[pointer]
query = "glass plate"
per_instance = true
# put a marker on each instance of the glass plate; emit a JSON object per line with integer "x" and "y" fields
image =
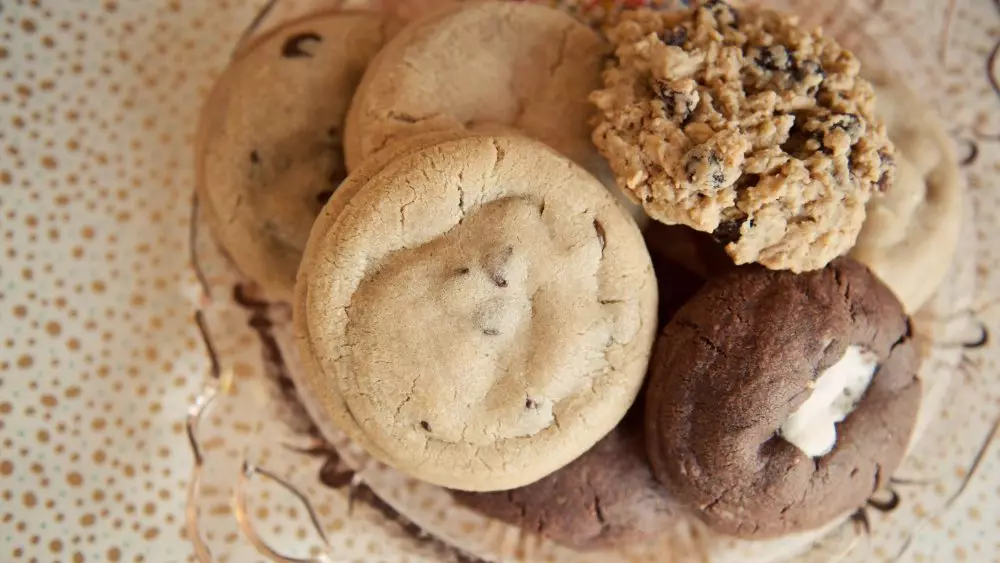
{"x": 296, "y": 496}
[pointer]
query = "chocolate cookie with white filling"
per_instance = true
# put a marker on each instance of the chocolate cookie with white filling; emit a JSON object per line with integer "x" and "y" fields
{"x": 779, "y": 402}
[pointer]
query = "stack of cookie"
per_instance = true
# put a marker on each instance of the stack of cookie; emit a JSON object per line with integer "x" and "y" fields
{"x": 485, "y": 219}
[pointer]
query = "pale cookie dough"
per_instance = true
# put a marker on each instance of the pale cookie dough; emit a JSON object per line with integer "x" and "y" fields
{"x": 738, "y": 123}
{"x": 466, "y": 321}
{"x": 524, "y": 66}
{"x": 268, "y": 148}
{"x": 911, "y": 232}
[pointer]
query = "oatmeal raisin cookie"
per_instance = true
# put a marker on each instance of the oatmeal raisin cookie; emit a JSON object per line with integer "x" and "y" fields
{"x": 739, "y": 123}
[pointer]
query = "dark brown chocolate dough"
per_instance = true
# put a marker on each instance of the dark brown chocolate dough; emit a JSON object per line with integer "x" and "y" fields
{"x": 606, "y": 497}
{"x": 737, "y": 359}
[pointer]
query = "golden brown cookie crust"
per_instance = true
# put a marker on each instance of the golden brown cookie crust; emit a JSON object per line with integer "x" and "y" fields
{"x": 268, "y": 147}
{"x": 483, "y": 63}
{"x": 466, "y": 322}
{"x": 739, "y": 123}
{"x": 911, "y": 231}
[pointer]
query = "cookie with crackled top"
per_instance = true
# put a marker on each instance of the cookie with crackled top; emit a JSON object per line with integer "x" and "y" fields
{"x": 269, "y": 142}
{"x": 737, "y": 122}
{"x": 468, "y": 66}
{"x": 466, "y": 321}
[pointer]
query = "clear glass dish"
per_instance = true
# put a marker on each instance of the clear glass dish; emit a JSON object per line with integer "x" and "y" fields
{"x": 294, "y": 496}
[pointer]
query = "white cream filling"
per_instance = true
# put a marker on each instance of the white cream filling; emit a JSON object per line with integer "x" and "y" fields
{"x": 835, "y": 393}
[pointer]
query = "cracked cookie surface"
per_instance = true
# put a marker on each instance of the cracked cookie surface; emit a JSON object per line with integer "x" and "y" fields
{"x": 739, "y": 123}
{"x": 519, "y": 65}
{"x": 468, "y": 323}
{"x": 269, "y": 148}
{"x": 739, "y": 359}
{"x": 911, "y": 232}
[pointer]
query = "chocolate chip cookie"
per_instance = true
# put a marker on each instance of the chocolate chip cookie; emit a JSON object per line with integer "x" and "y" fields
{"x": 779, "y": 402}
{"x": 520, "y": 65}
{"x": 911, "y": 231}
{"x": 466, "y": 321}
{"x": 735, "y": 121}
{"x": 269, "y": 143}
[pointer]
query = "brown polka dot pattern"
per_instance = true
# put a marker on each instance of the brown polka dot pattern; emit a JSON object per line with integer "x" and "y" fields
{"x": 100, "y": 359}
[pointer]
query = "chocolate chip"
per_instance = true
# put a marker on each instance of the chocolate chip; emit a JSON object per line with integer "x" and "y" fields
{"x": 254, "y": 157}
{"x": 324, "y": 196}
{"x": 601, "y": 237}
{"x": 728, "y": 231}
{"x": 425, "y": 425}
{"x": 675, "y": 37}
{"x": 294, "y": 46}
{"x": 530, "y": 403}
{"x": 491, "y": 332}
{"x": 462, "y": 271}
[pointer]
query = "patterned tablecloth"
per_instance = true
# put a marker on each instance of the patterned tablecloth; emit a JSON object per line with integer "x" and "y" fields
{"x": 100, "y": 357}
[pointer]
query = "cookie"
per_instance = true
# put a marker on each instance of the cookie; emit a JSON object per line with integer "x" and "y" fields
{"x": 606, "y": 498}
{"x": 466, "y": 322}
{"x": 520, "y": 65}
{"x": 738, "y": 123}
{"x": 698, "y": 252}
{"x": 911, "y": 231}
{"x": 779, "y": 402}
{"x": 269, "y": 142}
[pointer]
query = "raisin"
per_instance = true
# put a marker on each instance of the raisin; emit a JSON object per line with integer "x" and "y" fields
{"x": 774, "y": 58}
{"x": 675, "y": 37}
{"x": 723, "y": 11}
{"x": 294, "y": 46}
{"x": 728, "y": 231}
{"x": 673, "y": 100}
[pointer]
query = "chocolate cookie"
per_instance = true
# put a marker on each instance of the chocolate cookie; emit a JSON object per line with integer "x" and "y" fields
{"x": 911, "y": 231}
{"x": 739, "y": 123}
{"x": 759, "y": 359}
{"x": 268, "y": 146}
{"x": 467, "y": 321}
{"x": 607, "y": 497}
